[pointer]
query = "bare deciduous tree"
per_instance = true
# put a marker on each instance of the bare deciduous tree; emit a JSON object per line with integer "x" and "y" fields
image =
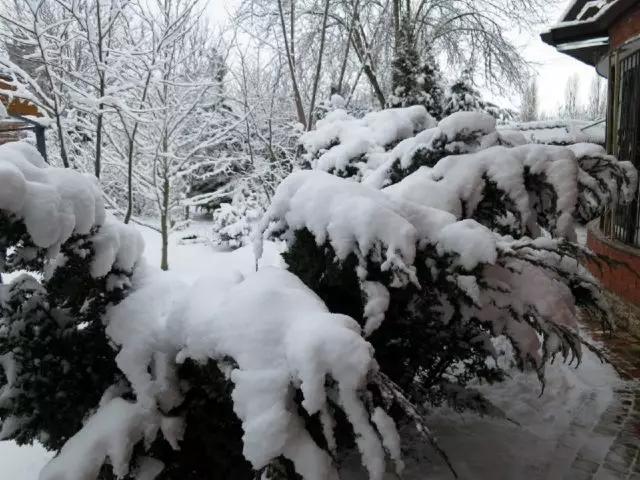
{"x": 529, "y": 106}
{"x": 571, "y": 107}
{"x": 597, "y": 102}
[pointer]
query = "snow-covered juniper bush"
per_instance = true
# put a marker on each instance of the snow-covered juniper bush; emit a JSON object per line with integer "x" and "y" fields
{"x": 411, "y": 246}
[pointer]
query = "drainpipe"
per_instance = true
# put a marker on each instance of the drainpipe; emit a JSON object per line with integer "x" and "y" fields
{"x": 41, "y": 145}
{"x": 616, "y": 106}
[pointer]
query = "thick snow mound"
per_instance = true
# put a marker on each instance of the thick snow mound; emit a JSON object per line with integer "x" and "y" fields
{"x": 116, "y": 245}
{"x": 278, "y": 331}
{"x": 55, "y": 203}
{"x": 268, "y": 332}
{"x": 461, "y": 122}
{"x": 52, "y": 202}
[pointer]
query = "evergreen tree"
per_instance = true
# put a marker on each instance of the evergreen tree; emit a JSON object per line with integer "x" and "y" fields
{"x": 416, "y": 76}
{"x": 462, "y": 96}
{"x": 210, "y": 175}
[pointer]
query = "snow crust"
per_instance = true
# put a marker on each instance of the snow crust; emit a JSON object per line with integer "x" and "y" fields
{"x": 353, "y": 218}
{"x": 457, "y": 123}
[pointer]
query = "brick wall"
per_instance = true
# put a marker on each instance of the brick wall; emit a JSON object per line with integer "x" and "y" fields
{"x": 621, "y": 280}
{"x": 627, "y": 27}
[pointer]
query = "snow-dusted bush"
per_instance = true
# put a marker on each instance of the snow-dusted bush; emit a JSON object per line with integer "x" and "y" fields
{"x": 233, "y": 222}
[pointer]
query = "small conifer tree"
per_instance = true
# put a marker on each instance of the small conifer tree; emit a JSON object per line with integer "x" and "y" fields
{"x": 416, "y": 76}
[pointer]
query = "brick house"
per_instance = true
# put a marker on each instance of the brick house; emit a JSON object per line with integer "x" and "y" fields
{"x": 606, "y": 35}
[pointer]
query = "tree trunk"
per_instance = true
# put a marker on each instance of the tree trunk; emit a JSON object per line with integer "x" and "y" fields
{"x": 99, "y": 138}
{"x": 396, "y": 26}
{"x": 63, "y": 150}
{"x": 364, "y": 58}
{"x": 101, "y": 90}
{"x": 292, "y": 33}
{"x": 127, "y": 217}
{"x": 296, "y": 91}
{"x": 164, "y": 223}
{"x": 323, "y": 35}
{"x": 345, "y": 59}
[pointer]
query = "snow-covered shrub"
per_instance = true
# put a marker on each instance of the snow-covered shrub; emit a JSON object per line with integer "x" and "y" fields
{"x": 131, "y": 371}
{"x": 442, "y": 245}
{"x": 347, "y": 146}
{"x": 233, "y": 222}
{"x": 391, "y": 301}
{"x": 52, "y": 223}
{"x": 436, "y": 165}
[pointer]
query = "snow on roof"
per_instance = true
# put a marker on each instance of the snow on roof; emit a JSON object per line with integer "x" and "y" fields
{"x": 582, "y": 11}
{"x": 560, "y": 132}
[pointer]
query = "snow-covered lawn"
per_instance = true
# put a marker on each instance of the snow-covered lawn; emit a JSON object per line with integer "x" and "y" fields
{"x": 480, "y": 449}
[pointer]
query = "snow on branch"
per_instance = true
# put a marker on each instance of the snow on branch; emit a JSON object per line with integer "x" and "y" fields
{"x": 603, "y": 180}
{"x": 466, "y": 167}
{"x": 55, "y": 203}
{"x": 271, "y": 334}
{"x": 461, "y": 268}
{"x": 110, "y": 434}
{"x": 340, "y": 138}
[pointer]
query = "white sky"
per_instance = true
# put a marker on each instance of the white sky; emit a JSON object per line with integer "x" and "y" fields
{"x": 554, "y": 68}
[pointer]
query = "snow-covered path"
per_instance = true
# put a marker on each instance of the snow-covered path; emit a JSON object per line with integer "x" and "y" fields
{"x": 552, "y": 427}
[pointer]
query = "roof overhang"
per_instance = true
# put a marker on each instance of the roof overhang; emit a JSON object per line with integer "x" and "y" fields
{"x": 584, "y": 40}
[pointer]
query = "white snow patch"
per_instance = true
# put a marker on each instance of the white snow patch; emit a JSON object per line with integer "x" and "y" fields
{"x": 53, "y": 202}
{"x": 110, "y": 433}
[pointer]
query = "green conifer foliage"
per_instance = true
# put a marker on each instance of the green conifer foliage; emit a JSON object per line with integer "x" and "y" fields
{"x": 416, "y": 77}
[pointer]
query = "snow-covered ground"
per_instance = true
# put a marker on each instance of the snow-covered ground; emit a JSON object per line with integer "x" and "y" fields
{"x": 480, "y": 449}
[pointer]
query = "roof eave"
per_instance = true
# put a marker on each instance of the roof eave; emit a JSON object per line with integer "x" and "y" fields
{"x": 585, "y": 30}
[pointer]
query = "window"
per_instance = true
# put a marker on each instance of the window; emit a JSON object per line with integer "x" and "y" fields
{"x": 624, "y": 141}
